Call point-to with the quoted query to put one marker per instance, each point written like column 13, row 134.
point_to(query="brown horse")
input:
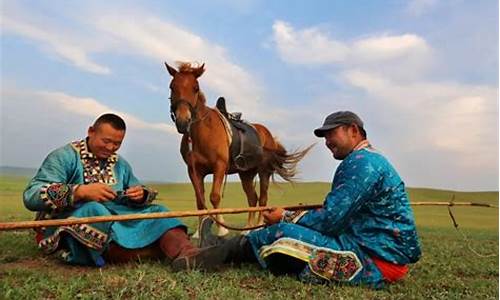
column 205, row 145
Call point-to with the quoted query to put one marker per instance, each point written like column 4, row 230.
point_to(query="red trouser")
column 391, row 272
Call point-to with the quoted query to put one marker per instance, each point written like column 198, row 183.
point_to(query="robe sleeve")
column 49, row 191
column 130, row 180
column 354, row 183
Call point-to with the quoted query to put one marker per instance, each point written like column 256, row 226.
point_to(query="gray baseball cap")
column 337, row 119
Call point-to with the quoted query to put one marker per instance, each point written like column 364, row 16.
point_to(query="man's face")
column 340, row 141
column 105, row 140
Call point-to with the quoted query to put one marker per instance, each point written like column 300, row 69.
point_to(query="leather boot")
column 239, row 248
column 207, row 238
column 116, row 254
column 175, row 243
column 234, row 250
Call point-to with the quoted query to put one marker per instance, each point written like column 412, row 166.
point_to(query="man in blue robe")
column 87, row 178
column 364, row 234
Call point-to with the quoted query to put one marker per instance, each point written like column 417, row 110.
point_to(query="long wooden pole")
column 179, row 214
column 129, row 217
column 441, row 203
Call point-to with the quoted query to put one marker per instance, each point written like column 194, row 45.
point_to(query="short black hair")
column 115, row 121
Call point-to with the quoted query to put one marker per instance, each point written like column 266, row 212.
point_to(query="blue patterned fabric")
column 367, row 212
column 50, row 193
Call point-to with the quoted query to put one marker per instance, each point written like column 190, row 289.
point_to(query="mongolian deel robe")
column 365, row 217
column 50, row 193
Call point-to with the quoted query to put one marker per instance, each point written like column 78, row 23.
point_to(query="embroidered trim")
column 292, row 216
column 92, row 171
column 84, row 233
column 57, row 196
column 338, row 265
column 324, row 262
column 363, row 144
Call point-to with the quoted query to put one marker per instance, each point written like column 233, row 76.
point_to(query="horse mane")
column 187, row 67
column 201, row 97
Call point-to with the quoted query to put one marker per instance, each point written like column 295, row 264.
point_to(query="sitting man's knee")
column 287, row 227
column 158, row 208
column 93, row 208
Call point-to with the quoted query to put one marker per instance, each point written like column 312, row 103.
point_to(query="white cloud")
column 51, row 38
column 41, row 121
column 421, row 123
column 161, row 41
column 403, row 57
column 429, row 128
column 308, row 46
column 385, row 47
column 37, row 122
column 443, row 111
column 132, row 31
column 127, row 32
column 448, row 116
column 91, row 107
column 312, row 46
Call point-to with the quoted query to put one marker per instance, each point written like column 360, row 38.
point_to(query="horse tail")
column 285, row 164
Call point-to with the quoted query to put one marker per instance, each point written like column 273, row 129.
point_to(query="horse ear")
column 199, row 71
column 171, row 70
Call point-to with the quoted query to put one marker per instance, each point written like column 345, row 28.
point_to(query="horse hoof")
column 222, row 231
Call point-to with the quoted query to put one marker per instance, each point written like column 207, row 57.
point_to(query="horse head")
column 186, row 97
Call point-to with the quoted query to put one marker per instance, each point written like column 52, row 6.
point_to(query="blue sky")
column 422, row 74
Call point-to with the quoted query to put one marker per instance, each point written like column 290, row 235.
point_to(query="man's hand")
column 135, row 193
column 94, row 192
column 273, row 216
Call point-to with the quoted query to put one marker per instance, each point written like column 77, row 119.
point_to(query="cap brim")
column 320, row 132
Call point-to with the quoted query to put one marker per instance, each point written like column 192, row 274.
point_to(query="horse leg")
column 249, row 188
column 215, row 195
column 264, row 186
column 199, row 190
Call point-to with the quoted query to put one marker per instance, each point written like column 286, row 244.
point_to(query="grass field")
column 449, row 269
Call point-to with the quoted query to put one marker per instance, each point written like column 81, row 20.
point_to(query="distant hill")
column 17, row 171
column 415, row 193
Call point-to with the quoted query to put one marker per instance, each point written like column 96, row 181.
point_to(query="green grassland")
column 449, row 268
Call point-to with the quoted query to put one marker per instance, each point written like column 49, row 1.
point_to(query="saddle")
column 246, row 148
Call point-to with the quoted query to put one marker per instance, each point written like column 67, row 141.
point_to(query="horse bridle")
column 176, row 103
column 192, row 109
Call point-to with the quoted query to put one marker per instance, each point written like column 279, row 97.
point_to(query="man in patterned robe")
column 364, row 234
column 87, row 178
